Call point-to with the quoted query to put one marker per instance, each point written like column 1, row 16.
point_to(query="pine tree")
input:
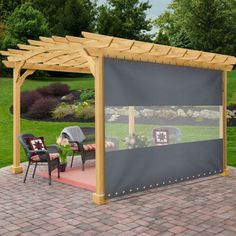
column 124, row 18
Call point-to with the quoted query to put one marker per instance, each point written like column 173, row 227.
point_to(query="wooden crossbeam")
column 60, row 39
column 49, row 67
column 46, row 39
column 27, row 47
column 57, row 50
column 138, row 47
column 159, row 50
column 40, row 43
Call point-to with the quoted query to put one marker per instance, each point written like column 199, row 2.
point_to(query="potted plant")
column 64, row 149
column 136, row 141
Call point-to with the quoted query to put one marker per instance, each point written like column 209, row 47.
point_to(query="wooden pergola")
column 85, row 55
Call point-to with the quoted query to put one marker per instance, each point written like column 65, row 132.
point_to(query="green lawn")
column 189, row 133
column 50, row 130
column 231, row 88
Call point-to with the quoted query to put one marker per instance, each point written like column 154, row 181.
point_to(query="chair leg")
column 83, row 161
column 49, row 173
column 34, row 169
column 58, row 168
column 26, row 173
column 72, row 159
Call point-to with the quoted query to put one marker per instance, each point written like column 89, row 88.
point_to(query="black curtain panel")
column 132, row 83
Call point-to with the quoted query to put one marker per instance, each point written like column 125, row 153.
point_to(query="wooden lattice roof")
column 77, row 54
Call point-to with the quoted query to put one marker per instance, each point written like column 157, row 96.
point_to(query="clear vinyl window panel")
column 131, row 127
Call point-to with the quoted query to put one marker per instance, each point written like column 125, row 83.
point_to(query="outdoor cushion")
column 161, row 136
column 36, row 144
column 92, row 147
column 52, row 156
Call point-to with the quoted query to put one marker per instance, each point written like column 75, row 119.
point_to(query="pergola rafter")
column 77, row 54
column 85, row 55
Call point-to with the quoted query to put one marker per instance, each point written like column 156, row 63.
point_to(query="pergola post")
column 99, row 196
column 16, row 168
column 131, row 120
column 17, row 83
column 224, row 124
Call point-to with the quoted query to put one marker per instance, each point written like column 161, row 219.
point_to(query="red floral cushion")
column 52, row 156
column 36, row 144
column 92, row 147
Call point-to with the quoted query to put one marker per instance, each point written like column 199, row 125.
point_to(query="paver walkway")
column 201, row 207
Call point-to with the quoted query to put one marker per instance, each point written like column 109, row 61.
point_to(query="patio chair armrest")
column 79, row 145
column 38, row 152
column 53, row 148
column 115, row 140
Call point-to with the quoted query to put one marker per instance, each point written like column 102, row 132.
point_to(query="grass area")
column 231, row 146
column 231, row 87
column 49, row 130
column 189, row 133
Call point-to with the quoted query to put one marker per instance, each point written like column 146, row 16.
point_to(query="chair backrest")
column 22, row 139
column 173, row 134
column 73, row 133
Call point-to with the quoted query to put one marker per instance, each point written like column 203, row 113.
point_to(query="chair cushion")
column 52, row 156
column 92, row 147
column 160, row 136
column 36, row 144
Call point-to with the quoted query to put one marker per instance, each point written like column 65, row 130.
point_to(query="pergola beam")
column 58, row 68
column 145, row 57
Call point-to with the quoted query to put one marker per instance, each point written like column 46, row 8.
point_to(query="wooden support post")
column 131, row 120
column 17, row 83
column 224, row 128
column 99, row 196
column 16, row 168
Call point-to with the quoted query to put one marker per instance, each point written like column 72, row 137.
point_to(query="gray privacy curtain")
column 143, row 84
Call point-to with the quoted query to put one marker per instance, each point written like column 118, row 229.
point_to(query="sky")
column 158, row 7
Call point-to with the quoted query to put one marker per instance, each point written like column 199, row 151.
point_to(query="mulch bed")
column 69, row 118
column 231, row 121
column 161, row 121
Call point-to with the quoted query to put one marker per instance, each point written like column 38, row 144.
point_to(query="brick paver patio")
column 201, row 207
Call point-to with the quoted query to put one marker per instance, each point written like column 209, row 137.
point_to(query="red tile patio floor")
column 76, row 177
column 204, row 207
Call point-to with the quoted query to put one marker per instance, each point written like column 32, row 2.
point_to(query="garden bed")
column 57, row 102
column 162, row 121
column 231, row 115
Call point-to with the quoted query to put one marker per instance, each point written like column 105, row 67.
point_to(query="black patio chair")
column 50, row 156
column 85, row 146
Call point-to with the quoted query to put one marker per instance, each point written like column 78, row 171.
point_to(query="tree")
column 7, row 7
column 200, row 24
column 182, row 40
column 124, row 18
column 24, row 23
column 79, row 15
column 68, row 16
column 162, row 38
column 209, row 25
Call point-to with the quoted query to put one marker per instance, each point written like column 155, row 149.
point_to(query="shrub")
column 85, row 112
column 42, row 108
column 58, row 89
column 87, row 94
column 54, row 90
column 62, row 111
column 44, row 91
column 28, row 98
